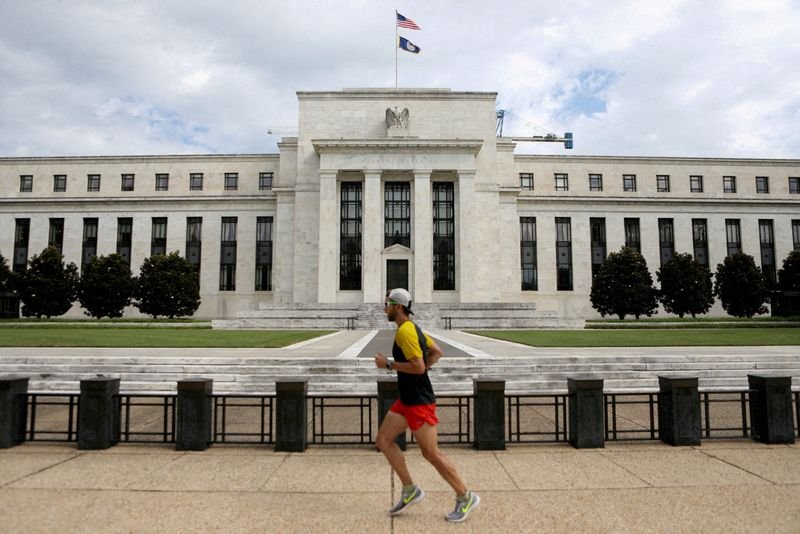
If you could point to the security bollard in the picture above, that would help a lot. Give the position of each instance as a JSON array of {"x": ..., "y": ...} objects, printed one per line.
[
  {"x": 771, "y": 408},
  {"x": 98, "y": 413},
  {"x": 193, "y": 428},
  {"x": 490, "y": 428},
  {"x": 13, "y": 410},
  {"x": 586, "y": 413},
  {"x": 388, "y": 393},
  {"x": 291, "y": 419},
  {"x": 679, "y": 410}
]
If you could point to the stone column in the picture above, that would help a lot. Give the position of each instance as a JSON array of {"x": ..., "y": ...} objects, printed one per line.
[
  {"x": 490, "y": 428},
  {"x": 291, "y": 418},
  {"x": 388, "y": 393},
  {"x": 98, "y": 416},
  {"x": 328, "y": 237},
  {"x": 193, "y": 428},
  {"x": 283, "y": 248},
  {"x": 679, "y": 410},
  {"x": 466, "y": 253},
  {"x": 372, "y": 235},
  {"x": 586, "y": 412},
  {"x": 422, "y": 277},
  {"x": 771, "y": 408},
  {"x": 13, "y": 411}
]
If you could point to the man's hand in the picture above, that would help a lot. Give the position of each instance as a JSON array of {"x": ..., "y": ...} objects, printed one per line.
[{"x": 380, "y": 361}]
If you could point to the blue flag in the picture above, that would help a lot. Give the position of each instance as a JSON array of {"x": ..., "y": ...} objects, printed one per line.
[{"x": 408, "y": 46}]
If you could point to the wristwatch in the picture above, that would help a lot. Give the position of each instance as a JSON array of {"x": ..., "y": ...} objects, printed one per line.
[{"x": 389, "y": 364}]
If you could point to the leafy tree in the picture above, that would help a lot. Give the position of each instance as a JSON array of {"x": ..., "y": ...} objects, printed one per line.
[
  {"x": 106, "y": 286},
  {"x": 5, "y": 274},
  {"x": 789, "y": 275},
  {"x": 48, "y": 287},
  {"x": 623, "y": 286},
  {"x": 168, "y": 286},
  {"x": 686, "y": 286},
  {"x": 741, "y": 286}
]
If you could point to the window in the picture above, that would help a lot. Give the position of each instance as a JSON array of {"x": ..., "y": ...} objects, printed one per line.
[
  {"x": 696, "y": 184},
  {"x": 767, "y": 238},
  {"x": 265, "y": 181},
  {"x": 231, "y": 181},
  {"x": 629, "y": 183},
  {"x": 728, "y": 184},
  {"x": 796, "y": 234},
  {"x": 59, "y": 183},
  {"x": 700, "y": 240},
  {"x": 733, "y": 233},
  {"x": 124, "y": 238},
  {"x": 662, "y": 183},
  {"x": 158, "y": 239},
  {"x": 527, "y": 245},
  {"x": 444, "y": 237},
  {"x": 597, "y": 229},
  {"x": 227, "y": 256},
  {"x": 794, "y": 185},
  {"x": 563, "y": 254},
  {"x": 562, "y": 182},
  {"x": 526, "y": 181},
  {"x": 350, "y": 236},
  {"x": 595, "y": 182},
  {"x": 22, "y": 233},
  {"x": 25, "y": 183},
  {"x": 397, "y": 214},
  {"x": 194, "y": 232},
  {"x": 666, "y": 239},
  {"x": 55, "y": 237},
  {"x": 89, "y": 245},
  {"x": 264, "y": 254},
  {"x": 196, "y": 181},
  {"x": 762, "y": 184},
  {"x": 632, "y": 236},
  {"x": 93, "y": 183},
  {"x": 127, "y": 182},
  {"x": 162, "y": 182}
]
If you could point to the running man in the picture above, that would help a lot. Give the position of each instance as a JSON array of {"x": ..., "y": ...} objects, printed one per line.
[{"x": 414, "y": 353}]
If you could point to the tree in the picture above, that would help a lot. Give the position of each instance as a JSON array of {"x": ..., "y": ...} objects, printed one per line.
[
  {"x": 168, "y": 286},
  {"x": 48, "y": 287},
  {"x": 5, "y": 274},
  {"x": 789, "y": 275},
  {"x": 623, "y": 286},
  {"x": 740, "y": 286},
  {"x": 686, "y": 286},
  {"x": 106, "y": 286}
]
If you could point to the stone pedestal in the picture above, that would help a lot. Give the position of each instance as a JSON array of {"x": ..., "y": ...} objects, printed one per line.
[
  {"x": 490, "y": 428},
  {"x": 98, "y": 413},
  {"x": 586, "y": 413},
  {"x": 388, "y": 393},
  {"x": 771, "y": 408},
  {"x": 193, "y": 428},
  {"x": 291, "y": 419},
  {"x": 13, "y": 410},
  {"x": 679, "y": 410}
]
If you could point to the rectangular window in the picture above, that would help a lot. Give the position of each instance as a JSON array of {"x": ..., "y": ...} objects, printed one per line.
[
  {"x": 767, "y": 238},
  {"x": 350, "y": 236},
  {"x": 728, "y": 184},
  {"x": 55, "y": 236},
  {"x": 89, "y": 245},
  {"x": 595, "y": 182},
  {"x": 629, "y": 183},
  {"x": 597, "y": 229},
  {"x": 227, "y": 256},
  {"x": 22, "y": 233},
  {"x": 444, "y": 236},
  {"x": 265, "y": 181},
  {"x": 26, "y": 183},
  {"x": 633, "y": 238},
  {"x": 196, "y": 181},
  {"x": 93, "y": 183},
  {"x": 662, "y": 183},
  {"x": 124, "y": 238},
  {"x": 158, "y": 239},
  {"x": 162, "y": 182},
  {"x": 562, "y": 182},
  {"x": 796, "y": 234},
  {"x": 264, "y": 254},
  {"x": 526, "y": 181},
  {"x": 127, "y": 182},
  {"x": 666, "y": 239},
  {"x": 231, "y": 181},
  {"x": 733, "y": 232},
  {"x": 397, "y": 214},
  {"x": 527, "y": 245},
  {"x": 194, "y": 233},
  {"x": 563, "y": 254},
  {"x": 59, "y": 183},
  {"x": 700, "y": 240},
  {"x": 762, "y": 184},
  {"x": 794, "y": 185},
  {"x": 696, "y": 184}
]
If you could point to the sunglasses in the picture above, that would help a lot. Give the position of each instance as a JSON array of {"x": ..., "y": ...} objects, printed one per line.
[{"x": 390, "y": 303}]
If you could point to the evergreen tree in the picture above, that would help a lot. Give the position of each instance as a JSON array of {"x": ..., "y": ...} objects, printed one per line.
[
  {"x": 48, "y": 287},
  {"x": 740, "y": 286},
  {"x": 5, "y": 274},
  {"x": 168, "y": 286},
  {"x": 106, "y": 286},
  {"x": 623, "y": 286},
  {"x": 686, "y": 286},
  {"x": 789, "y": 275}
]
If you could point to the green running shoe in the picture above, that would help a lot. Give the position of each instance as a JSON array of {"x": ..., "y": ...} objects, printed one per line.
[
  {"x": 407, "y": 499},
  {"x": 464, "y": 508}
]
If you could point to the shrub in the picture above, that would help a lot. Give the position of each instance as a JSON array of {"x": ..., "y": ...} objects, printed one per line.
[
  {"x": 623, "y": 286},
  {"x": 106, "y": 286},
  {"x": 168, "y": 286},
  {"x": 48, "y": 287},
  {"x": 740, "y": 286},
  {"x": 686, "y": 286}
]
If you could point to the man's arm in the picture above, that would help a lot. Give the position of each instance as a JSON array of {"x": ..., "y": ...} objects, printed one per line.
[
  {"x": 434, "y": 353},
  {"x": 413, "y": 367}
]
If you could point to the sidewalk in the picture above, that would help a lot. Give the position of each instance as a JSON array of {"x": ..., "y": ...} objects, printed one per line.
[{"x": 725, "y": 486}]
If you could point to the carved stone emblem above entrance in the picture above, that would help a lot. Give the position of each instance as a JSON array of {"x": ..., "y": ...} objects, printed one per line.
[{"x": 396, "y": 122}]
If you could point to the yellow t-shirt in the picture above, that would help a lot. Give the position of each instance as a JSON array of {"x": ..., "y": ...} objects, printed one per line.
[{"x": 406, "y": 338}]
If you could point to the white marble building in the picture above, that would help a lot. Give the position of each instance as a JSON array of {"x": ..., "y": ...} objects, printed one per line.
[{"x": 383, "y": 188}]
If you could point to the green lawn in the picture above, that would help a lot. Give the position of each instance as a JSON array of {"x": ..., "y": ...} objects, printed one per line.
[{"x": 649, "y": 338}]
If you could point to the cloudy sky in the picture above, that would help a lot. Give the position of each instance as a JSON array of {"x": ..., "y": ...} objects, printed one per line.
[{"x": 663, "y": 78}]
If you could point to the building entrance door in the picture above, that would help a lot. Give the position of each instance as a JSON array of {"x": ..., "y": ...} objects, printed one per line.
[{"x": 396, "y": 274}]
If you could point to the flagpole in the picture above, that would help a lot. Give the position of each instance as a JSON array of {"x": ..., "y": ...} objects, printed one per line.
[{"x": 395, "y": 50}]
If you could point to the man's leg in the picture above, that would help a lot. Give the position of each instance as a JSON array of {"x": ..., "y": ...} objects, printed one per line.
[
  {"x": 392, "y": 426},
  {"x": 428, "y": 440}
]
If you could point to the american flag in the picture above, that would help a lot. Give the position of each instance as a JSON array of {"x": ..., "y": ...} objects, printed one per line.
[{"x": 404, "y": 22}]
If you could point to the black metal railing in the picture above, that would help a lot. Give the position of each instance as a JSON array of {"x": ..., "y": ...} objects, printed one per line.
[
  {"x": 350, "y": 412},
  {"x": 147, "y": 418},
  {"x": 728, "y": 407},
  {"x": 46, "y": 417},
  {"x": 243, "y": 419},
  {"x": 631, "y": 416},
  {"x": 536, "y": 418}
]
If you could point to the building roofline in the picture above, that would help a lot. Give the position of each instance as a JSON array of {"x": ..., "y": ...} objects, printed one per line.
[
  {"x": 655, "y": 159},
  {"x": 146, "y": 157},
  {"x": 382, "y": 93}
]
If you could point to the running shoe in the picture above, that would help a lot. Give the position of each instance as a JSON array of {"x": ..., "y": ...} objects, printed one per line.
[
  {"x": 407, "y": 499},
  {"x": 464, "y": 508}
]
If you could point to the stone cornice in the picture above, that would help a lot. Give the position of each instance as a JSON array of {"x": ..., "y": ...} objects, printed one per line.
[
  {"x": 409, "y": 145},
  {"x": 390, "y": 93},
  {"x": 115, "y": 202},
  {"x": 655, "y": 160},
  {"x": 683, "y": 201},
  {"x": 136, "y": 159}
]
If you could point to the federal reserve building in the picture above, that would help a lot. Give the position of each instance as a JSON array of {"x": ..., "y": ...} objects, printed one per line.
[{"x": 383, "y": 188}]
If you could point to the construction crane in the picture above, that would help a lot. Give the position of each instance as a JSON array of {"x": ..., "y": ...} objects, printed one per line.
[{"x": 547, "y": 138}]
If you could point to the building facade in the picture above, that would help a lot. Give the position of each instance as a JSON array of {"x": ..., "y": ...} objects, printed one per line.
[{"x": 385, "y": 188}]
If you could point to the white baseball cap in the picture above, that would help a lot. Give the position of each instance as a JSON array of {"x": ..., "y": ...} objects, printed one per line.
[{"x": 401, "y": 296}]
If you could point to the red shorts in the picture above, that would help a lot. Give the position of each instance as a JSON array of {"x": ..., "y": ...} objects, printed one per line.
[{"x": 416, "y": 415}]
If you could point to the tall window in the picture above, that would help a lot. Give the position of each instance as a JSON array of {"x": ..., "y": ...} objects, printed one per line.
[
  {"x": 158, "y": 239},
  {"x": 59, "y": 183},
  {"x": 662, "y": 183},
  {"x": 265, "y": 181},
  {"x": 733, "y": 232},
  {"x": 562, "y": 182},
  {"x": 595, "y": 182},
  {"x": 728, "y": 184},
  {"x": 93, "y": 183},
  {"x": 264, "y": 254},
  {"x": 124, "y": 238},
  {"x": 794, "y": 185},
  {"x": 796, "y": 234},
  {"x": 633, "y": 238},
  {"x": 767, "y": 238},
  {"x": 162, "y": 182},
  {"x": 700, "y": 240},
  {"x": 526, "y": 181},
  {"x": 56, "y": 234},
  {"x": 527, "y": 245},
  {"x": 444, "y": 236},
  {"x": 762, "y": 184},
  {"x": 563, "y": 254},
  {"x": 89, "y": 245},
  {"x": 196, "y": 181},
  {"x": 194, "y": 243},
  {"x": 227, "y": 256},
  {"x": 597, "y": 229},
  {"x": 127, "y": 182},
  {"x": 629, "y": 182},
  {"x": 22, "y": 233},
  {"x": 350, "y": 237},
  {"x": 666, "y": 239},
  {"x": 231, "y": 181},
  {"x": 397, "y": 214},
  {"x": 26, "y": 183},
  {"x": 696, "y": 184}
]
